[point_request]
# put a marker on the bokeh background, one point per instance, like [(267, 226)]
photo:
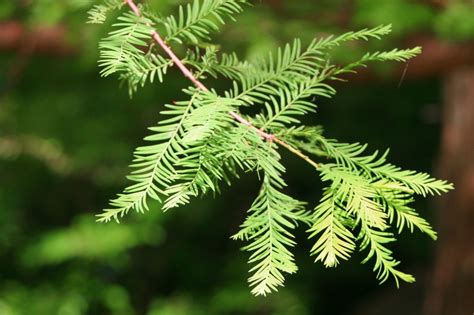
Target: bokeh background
[(67, 136)]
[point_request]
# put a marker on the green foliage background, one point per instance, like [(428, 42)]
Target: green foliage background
[(66, 138)]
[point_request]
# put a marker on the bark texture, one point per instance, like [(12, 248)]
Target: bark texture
[(452, 283)]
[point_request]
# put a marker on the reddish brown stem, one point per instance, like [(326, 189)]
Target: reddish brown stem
[(199, 85), (245, 122), (178, 62), (187, 73)]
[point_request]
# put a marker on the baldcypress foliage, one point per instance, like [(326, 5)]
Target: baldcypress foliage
[(204, 140)]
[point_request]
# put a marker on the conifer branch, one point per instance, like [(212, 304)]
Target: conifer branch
[(187, 73), (204, 141)]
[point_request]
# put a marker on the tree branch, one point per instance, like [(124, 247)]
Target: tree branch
[(187, 73)]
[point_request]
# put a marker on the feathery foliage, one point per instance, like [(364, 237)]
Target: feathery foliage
[(204, 141), (122, 50), (271, 217), (197, 20), (98, 14)]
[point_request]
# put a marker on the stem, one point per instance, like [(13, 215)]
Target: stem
[(134, 7), (296, 151), (187, 73), (177, 61), (245, 122)]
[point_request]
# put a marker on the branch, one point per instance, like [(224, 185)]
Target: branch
[(187, 73)]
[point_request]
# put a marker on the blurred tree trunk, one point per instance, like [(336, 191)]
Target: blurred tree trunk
[(452, 288)]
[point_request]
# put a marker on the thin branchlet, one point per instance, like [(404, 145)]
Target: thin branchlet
[(187, 73)]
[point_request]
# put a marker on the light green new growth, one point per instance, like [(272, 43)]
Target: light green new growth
[(98, 14), (203, 141)]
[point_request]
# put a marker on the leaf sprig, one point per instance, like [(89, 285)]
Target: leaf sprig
[(205, 140)]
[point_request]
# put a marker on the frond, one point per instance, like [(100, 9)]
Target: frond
[(356, 193), (156, 165), (358, 196), (270, 217), (227, 65), (153, 164), (98, 13), (291, 102), (351, 156), (199, 168), (236, 145), (398, 209), (385, 264), (198, 19), (200, 172), (268, 78), (399, 55), (334, 240), (363, 34), (292, 64), (122, 50), (146, 68), (421, 183)]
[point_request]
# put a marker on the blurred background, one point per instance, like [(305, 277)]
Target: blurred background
[(67, 136)]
